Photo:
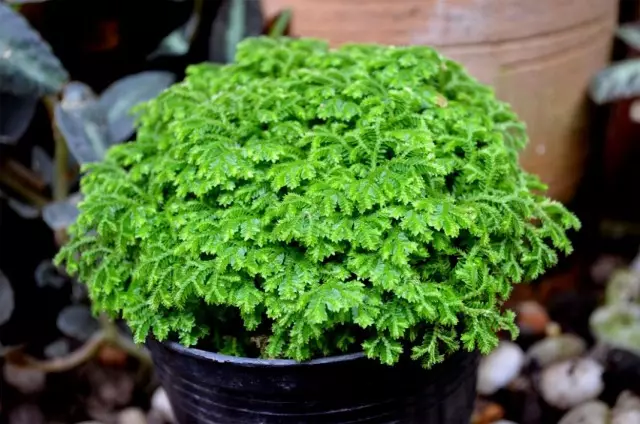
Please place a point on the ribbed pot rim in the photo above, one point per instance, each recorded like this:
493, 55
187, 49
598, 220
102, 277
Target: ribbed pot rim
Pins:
256, 362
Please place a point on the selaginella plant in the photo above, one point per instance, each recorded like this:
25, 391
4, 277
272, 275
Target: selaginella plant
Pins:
306, 201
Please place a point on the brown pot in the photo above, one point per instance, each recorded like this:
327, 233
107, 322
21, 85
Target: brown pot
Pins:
538, 54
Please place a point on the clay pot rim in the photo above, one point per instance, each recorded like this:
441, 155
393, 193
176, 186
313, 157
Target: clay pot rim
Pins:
256, 362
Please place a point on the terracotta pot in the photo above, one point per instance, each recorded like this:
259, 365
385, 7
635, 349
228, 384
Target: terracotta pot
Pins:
538, 54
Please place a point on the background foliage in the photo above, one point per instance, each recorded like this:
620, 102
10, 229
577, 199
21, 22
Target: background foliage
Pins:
69, 74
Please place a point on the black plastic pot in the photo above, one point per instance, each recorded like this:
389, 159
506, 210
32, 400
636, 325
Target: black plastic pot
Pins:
205, 387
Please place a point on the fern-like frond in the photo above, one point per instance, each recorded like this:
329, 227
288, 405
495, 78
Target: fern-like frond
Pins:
321, 200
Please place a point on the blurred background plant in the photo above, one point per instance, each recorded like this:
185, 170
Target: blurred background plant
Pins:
70, 71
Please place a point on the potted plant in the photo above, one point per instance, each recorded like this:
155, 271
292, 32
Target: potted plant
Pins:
317, 235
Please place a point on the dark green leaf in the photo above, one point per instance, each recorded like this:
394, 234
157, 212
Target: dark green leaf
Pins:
47, 275
178, 42
28, 66
118, 99
82, 123
6, 299
619, 81
76, 95
23, 210
76, 321
16, 113
630, 34
59, 215
236, 20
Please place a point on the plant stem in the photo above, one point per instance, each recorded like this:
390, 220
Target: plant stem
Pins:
33, 197
197, 12
66, 363
282, 22
61, 159
107, 335
60, 185
25, 175
115, 338
61, 154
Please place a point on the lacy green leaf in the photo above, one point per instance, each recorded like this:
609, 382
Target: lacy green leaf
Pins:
320, 201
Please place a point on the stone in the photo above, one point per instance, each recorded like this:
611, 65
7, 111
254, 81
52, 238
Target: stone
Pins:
485, 412
27, 413
626, 409
116, 391
112, 356
593, 412
555, 349
617, 325
570, 383
553, 329
627, 400
132, 416
155, 417
99, 412
499, 368
160, 403
532, 318
77, 322
25, 380
626, 417
623, 287
112, 388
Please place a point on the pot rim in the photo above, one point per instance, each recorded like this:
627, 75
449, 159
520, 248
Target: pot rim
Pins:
238, 360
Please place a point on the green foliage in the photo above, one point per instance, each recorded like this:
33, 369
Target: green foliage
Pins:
616, 82
322, 200
28, 67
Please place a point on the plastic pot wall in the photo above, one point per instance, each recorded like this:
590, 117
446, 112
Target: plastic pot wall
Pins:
204, 387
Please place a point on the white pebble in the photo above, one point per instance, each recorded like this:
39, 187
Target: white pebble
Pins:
499, 368
26, 380
617, 325
626, 417
626, 409
556, 349
160, 402
570, 383
594, 412
627, 400
132, 416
